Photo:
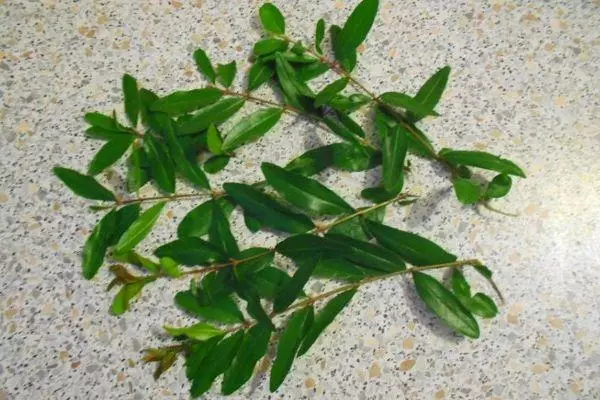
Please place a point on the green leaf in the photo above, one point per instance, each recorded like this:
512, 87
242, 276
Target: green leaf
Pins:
259, 73
262, 258
226, 73
252, 223
350, 124
324, 318
394, 153
121, 301
350, 157
220, 234
125, 217
161, 165
204, 65
268, 46
289, 342
216, 163
251, 127
430, 93
499, 186
212, 114
292, 289
215, 363
467, 191
272, 19
132, 99
190, 251
319, 35
213, 140
96, 244
267, 210
376, 194
357, 27
104, 122
329, 91
139, 229
109, 154
483, 305
347, 61
131, 257
445, 305
354, 226
170, 267
305, 193
337, 268
483, 160
214, 286
293, 89
190, 170
292, 58
402, 100
254, 306
147, 98
137, 174
340, 129
224, 310
310, 71
83, 185
268, 282
253, 348
412, 248
298, 48
200, 331
182, 102
197, 222
196, 353
312, 162
349, 104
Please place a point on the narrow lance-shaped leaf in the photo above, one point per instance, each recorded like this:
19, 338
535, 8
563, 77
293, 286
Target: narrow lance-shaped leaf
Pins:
319, 35
350, 124
213, 114
293, 89
224, 310
483, 160
289, 341
198, 220
266, 210
251, 127
216, 163
310, 71
182, 102
220, 234
479, 304
267, 46
305, 193
147, 98
354, 227
96, 244
204, 65
312, 162
329, 91
324, 318
137, 170
402, 100
445, 305
357, 27
109, 154
430, 93
139, 229
121, 301
253, 305
338, 128
190, 251
161, 165
132, 99
125, 217
291, 291
394, 154
200, 331
253, 348
268, 282
259, 73
272, 19
102, 121
413, 248
83, 185
226, 73
467, 191
213, 140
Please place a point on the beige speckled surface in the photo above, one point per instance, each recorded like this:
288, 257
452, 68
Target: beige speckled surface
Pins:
524, 85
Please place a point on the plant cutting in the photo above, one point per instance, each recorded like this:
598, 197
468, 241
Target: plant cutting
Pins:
247, 299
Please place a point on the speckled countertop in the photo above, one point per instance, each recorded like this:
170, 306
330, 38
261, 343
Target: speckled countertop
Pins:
524, 85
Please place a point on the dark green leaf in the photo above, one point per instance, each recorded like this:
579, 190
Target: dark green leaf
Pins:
182, 102
259, 73
406, 102
445, 305
215, 363
412, 248
292, 87
96, 244
200, 331
430, 93
464, 171
312, 162
139, 229
356, 28
268, 282
310, 71
350, 124
254, 306
190, 251
198, 220
212, 114
292, 289
220, 234
499, 186
226, 73
147, 98
267, 210
329, 91
161, 165
252, 223
418, 142
483, 305
137, 173
319, 35
253, 348
121, 301
324, 318
394, 154
251, 127
340, 129
188, 169
298, 48
348, 60
132, 99
348, 104
338, 268
460, 286
104, 122
376, 194
204, 65
195, 354
216, 163
305, 193
483, 160
289, 341
95, 132
214, 286
367, 254
267, 46
272, 19
467, 191
109, 154
261, 259
224, 310
354, 227
83, 185
125, 217
353, 158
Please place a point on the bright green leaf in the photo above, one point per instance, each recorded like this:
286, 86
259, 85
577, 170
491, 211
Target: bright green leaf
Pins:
251, 127
200, 331
467, 191
430, 93
307, 72
483, 160
220, 234
213, 140
96, 244
350, 157
394, 153
198, 220
259, 73
182, 102
83, 185
212, 114
101, 121
132, 99
357, 27
329, 91
139, 229
224, 310
190, 251
226, 73
267, 46
312, 162
499, 186
204, 65
121, 301
272, 19
125, 217
109, 154
406, 102
137, 173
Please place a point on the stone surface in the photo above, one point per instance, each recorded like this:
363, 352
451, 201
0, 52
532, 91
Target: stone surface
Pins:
524, 85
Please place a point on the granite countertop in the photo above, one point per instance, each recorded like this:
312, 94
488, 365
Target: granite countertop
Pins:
524, 85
